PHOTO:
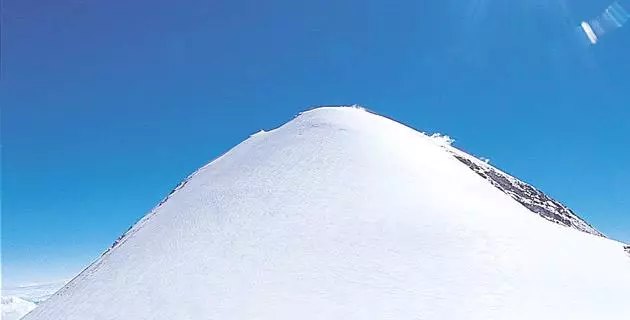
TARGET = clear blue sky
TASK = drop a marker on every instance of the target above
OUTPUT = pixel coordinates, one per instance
(107, 105)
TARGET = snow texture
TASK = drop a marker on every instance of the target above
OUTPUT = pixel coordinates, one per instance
(343, 214)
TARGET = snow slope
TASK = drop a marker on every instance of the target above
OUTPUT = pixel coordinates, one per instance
(343, 214)
(530, 197)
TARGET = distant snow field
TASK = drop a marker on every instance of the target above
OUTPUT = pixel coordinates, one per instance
(14, 308)
(19, 300)
(344, 214)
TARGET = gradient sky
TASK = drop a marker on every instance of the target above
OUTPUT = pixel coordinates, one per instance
(107, 105)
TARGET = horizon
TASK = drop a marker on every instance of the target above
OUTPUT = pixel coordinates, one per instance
(105, 113)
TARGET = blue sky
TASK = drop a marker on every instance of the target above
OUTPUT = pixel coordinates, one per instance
(107, 105)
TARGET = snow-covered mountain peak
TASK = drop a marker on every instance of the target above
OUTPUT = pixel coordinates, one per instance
(344, 214)
(533, 199)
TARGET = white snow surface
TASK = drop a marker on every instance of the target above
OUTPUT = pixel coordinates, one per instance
(17, 301)
(14, 308)
(343, 214)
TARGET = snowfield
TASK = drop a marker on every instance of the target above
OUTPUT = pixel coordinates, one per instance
(20, 300)
(36, 293)
(343, 214)
(14, 308)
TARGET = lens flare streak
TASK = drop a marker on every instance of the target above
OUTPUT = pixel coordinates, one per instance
(613, 17)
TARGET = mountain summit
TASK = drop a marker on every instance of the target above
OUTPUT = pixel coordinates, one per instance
(344, 214)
